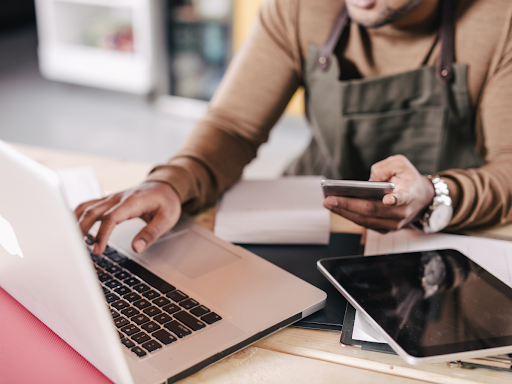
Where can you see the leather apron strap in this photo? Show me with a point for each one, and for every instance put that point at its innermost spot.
(444, 70)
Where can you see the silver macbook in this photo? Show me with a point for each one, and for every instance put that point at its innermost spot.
(188, 301)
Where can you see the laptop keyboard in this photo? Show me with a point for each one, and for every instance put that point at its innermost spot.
(148, 312)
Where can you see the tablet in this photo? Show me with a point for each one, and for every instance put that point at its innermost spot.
(429, 306)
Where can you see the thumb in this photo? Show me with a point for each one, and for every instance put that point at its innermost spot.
(151, 232)
(397, 198)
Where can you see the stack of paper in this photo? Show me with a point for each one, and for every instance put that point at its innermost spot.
(283, 211)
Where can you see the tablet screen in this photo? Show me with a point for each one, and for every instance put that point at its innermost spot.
(431, 303)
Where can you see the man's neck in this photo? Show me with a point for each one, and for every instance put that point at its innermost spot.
(418, 15)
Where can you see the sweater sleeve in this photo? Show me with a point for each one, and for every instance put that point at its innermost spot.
(483, 196)
(253, 94)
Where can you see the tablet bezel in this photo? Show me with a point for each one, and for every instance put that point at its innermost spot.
(435, 354)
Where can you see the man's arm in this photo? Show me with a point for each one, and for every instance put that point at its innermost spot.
(254, 92)
(483, 196)
(260, 81)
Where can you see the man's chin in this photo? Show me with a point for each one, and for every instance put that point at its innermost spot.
(361, 4)
(376, 13)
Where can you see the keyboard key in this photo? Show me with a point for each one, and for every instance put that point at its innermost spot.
(149, 277)
(162, 318)
(104, 264)
(171, 308)
(211, 318)
(122, 275)
(152, 311)
(113, 269)
(150, 327)
(177, 296)
(140, 337)
(164, 337)
(128, 343)
(120, 304)
(150, 295)
(131, 297)
(105, 290)
(131, 281)
(130, 329)
(121, 322)
(189, 303)
(140, 319)
(151, 346)
(189, 320)
(123, 290)
(141, 304)
(114, 314)
(89, 239)
(109, 251)
(102, 276)
(129, 312)
(121, 336)
(117, 257)
(199, 311)
(111, 297)
(139, 351)
(113, 283)
(161, 301)
(178, 329)
(95, 258)
(141, 287)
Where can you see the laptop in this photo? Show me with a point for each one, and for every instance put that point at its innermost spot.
(188, 301)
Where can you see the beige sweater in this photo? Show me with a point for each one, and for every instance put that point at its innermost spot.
(267, 70)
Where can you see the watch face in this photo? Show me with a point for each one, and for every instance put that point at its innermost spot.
(440, 217)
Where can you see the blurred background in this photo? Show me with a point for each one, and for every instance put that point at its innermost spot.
(125, 78)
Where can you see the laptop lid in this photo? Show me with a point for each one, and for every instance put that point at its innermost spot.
(50, 280)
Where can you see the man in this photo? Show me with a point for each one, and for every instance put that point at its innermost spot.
(398, 90)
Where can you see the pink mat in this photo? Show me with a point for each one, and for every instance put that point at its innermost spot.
(31, 353)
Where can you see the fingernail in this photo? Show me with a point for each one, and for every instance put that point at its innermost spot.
(331, 202)
(139, 245)
(389, 200)
(96, 249)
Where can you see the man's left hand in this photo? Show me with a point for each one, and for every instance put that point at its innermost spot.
(413, 193)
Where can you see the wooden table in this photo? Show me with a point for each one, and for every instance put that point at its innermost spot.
(291, 355)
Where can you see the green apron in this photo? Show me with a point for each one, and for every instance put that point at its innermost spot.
(423, 114)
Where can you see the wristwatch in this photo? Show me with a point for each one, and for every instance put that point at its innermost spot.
(440, 211)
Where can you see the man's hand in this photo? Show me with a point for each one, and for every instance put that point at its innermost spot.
(413, 193)
(155, 202)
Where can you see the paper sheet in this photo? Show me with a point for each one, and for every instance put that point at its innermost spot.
(283, 211)
(79, 185)
(493, 255)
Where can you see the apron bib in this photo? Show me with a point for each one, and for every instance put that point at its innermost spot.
(423, 114)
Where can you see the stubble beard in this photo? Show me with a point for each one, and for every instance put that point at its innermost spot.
(389, 15)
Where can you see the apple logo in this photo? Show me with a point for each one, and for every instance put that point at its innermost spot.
(8, 238)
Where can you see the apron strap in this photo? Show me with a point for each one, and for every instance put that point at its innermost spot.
(444, 70)
(332, 40)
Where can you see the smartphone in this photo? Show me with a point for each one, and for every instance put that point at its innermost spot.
(372, 190)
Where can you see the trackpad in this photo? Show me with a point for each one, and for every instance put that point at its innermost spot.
(190, 253)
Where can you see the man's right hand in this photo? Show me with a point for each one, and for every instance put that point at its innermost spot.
(155, 202)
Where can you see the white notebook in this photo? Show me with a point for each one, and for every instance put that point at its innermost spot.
(282, 211)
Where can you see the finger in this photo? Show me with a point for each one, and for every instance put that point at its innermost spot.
(79, 211)
(161, 223)
(376, 223)
(94, 212)
(364, 207)
(125, 209)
